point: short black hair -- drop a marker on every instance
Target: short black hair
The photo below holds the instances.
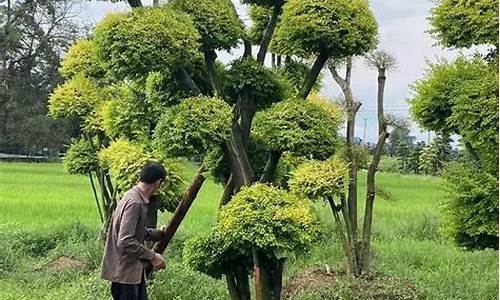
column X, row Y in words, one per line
column 151, row 172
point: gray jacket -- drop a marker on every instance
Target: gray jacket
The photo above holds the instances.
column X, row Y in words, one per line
column 125, row 253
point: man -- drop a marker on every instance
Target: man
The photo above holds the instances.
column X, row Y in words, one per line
column 125, row 253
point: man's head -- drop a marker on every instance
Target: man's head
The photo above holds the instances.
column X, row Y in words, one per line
column 153, row 174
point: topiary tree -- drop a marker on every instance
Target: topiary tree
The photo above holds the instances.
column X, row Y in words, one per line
column 260, row 226
column 461, row 97
column 325, row 181
column 161, row 75
column 326, row 29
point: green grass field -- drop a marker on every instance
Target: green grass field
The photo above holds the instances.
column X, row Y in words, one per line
column 40, row 203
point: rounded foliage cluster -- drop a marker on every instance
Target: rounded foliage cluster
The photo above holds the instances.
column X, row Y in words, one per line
column 461, row 97
column 145, row 40
column 193, row 127
column 338, row 27
column 124, row 115
column 321, row 179
column 80, row 159
column 286, row 165
column 259, row 217
column 77, row 98
column 260, row 83
column 81, row 59
column 465, row 23
column 268, row 218
column 125, row 161
column 301, row 127
column 215, row 20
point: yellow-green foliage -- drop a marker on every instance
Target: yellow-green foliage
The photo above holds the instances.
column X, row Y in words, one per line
column 261, row 83
column 215, row 20
column 259, row 217
column 131, row 45
column 125, row 161
column 77, row 98
column 286, row 165
column 268, row 218
column 471, row 215
column 81, row 59
column 321, row 179
column 338, row 27
column 329, row 105
column 465, row 23
column 124, row 115
column 193, row 127
column 80, row 159
column 298, row 126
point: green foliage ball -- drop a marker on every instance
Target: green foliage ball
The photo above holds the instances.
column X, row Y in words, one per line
column 130, row 45
column 193, row 127
column 215, row 20
column 81, row 59
column 471, row 208
column 465, row 23
column 80, row 159
column 300, row 127
column 321, row 179
column 340, row 28
column 268, row 218
column 260, row 82
column 76, row 98
column 125, row 161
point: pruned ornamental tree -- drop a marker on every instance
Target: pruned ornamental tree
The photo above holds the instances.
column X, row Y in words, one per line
column 461, row 97
column 148, row 85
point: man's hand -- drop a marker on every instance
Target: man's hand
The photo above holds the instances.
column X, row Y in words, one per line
column 158, row 262
column 164, row 229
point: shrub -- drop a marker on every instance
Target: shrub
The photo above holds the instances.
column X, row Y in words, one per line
column 80, row 159
column 472, row 206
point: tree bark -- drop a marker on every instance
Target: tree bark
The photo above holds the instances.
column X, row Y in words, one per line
column 268, row 33
column 134, row 3
column 271, row 166
column 181, row 211
column 352, row 200
column 342, row 237
column 370, row 190
column 187, row 82
column 210, row 57
column 228, row 191
column 313, row 74
column 96, row 197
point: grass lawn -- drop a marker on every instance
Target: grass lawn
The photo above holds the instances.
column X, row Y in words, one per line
column 39, row 201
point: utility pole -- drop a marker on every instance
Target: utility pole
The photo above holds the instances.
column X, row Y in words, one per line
column 428, row 138
column 364, row 132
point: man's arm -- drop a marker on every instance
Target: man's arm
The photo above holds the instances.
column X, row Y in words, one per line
column 126, row 235
column 153, row 234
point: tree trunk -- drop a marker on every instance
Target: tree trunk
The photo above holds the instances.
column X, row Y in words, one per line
column 271, row 166
column 181, row 211
column 370, row 190
column 342, row 237
column 96, row 197
column 134, row 3
column 268, row 33
column 228, row 191
column 210, row 57
column 352, row 200
column 187, row 82
column 313, row 74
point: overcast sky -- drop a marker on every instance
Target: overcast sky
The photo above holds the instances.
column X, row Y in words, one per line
column 402, row 31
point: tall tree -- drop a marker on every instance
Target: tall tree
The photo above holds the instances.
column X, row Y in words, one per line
column 33, row 37
column 461, row 97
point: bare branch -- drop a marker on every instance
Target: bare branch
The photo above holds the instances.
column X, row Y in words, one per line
column 380, row 59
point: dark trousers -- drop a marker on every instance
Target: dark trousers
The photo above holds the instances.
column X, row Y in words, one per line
column 123, row 291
